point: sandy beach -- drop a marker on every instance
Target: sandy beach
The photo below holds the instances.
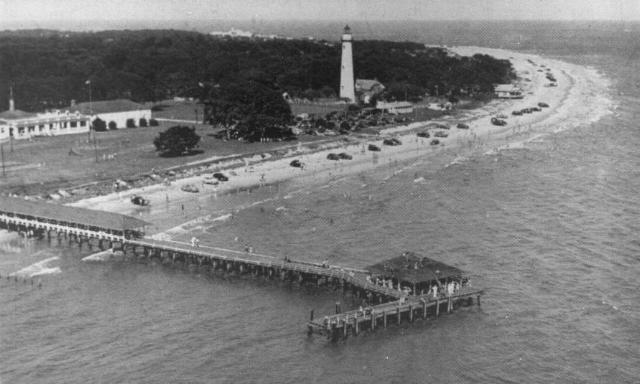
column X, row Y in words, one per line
column 579, row 98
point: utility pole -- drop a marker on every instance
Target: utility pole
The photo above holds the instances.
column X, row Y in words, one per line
column 95, row 145
column 4, row 173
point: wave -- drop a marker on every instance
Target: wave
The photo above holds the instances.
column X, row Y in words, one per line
column 38, row 269
column 100, row 256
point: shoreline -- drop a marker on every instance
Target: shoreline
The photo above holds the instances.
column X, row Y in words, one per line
column 579, row 98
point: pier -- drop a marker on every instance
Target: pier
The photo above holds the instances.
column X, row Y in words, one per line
column 391, row 294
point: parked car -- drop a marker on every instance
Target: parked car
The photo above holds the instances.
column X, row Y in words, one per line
column 440, row 134
column 423, row 134
column 374, row 148
column 535, row 109
column 333, row 156
column 296, row 163
column 345, row 156
column 220, row 176
column 139, row 200
column 190, row 188
column 543, row 105
column 392, row 141
column 496, row 121
column 516, row 113
column 462, row 126
column 501, row 116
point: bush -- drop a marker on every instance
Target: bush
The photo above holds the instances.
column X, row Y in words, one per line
column 113, row 125
column 99, row 125
column 153, row 122
column 142, row 122
column 131, row 123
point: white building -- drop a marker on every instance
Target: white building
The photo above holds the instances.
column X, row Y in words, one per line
column 117, row 111
column 16, row 124
column 367, row 88
column 395, row 107
column 347, row 86
column 508, row 91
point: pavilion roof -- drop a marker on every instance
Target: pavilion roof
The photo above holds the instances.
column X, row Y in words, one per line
column 83, row 216
column 413, row 268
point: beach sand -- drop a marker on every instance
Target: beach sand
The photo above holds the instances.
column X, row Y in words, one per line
column 579, row 98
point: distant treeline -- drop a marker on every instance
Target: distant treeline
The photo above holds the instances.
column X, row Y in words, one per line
column 49, row 68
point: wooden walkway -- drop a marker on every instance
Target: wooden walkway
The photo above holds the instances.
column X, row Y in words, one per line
column 208, row 255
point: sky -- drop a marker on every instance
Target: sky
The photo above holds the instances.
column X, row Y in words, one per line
column 32, row 12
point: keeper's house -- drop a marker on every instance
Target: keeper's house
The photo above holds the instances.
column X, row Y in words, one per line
column 117, row 111
column 508, row 91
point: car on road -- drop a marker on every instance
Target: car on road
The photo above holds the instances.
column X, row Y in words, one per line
column 139, row 200
column 374, row 148
column 333, row 156
column 220, row 176
column 543, row 105
column 496, row 121
column 516, row 113
column 392, row 141
column 435, row 142
column 296, row 163
column 462, row 126
column 440, row 134
column 190, row 188
column 345, row 156
column 423, row 134
column 535, row 109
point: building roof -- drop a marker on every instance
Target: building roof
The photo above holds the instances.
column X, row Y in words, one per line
column 367, row 84
column 393, row 104
column 505, row 88
column 107, row 106
column 412, row 268
column 88, row 217
column 16, row 115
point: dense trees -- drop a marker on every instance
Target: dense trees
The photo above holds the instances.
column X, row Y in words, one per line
column 49, row 69
column 248, row 108
column 177, row 140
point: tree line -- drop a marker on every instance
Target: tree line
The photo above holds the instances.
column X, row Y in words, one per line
column 48, row 69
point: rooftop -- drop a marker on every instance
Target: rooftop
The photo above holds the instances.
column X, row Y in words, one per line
column 412, row 268
column 367, row 84
column 88, row 217
column 16, row 115
column 107, row 106
column 505, row 88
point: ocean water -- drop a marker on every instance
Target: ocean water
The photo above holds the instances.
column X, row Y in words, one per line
column 549, row 229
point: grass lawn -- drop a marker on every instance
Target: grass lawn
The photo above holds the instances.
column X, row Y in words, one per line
column 46, row 164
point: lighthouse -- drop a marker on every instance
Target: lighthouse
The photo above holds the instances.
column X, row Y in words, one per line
column 347, row 90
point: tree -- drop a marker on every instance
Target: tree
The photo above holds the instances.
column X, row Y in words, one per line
column 113, row 125
column 176, row 140
column 99, row 125
column 131, row 123
column 253, row 109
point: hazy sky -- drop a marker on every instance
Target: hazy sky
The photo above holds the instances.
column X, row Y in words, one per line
column 345, row 10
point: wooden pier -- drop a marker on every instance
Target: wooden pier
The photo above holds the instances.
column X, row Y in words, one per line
column 123, row 234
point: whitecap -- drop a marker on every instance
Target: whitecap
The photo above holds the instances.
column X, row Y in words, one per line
column 38, row 269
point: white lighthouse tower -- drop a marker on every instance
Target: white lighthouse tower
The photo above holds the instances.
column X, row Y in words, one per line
column 347, row 90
